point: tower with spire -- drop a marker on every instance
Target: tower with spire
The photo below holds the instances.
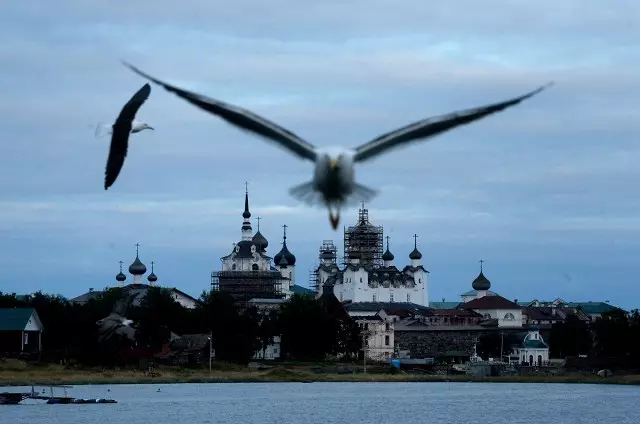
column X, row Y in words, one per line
column 248, row 272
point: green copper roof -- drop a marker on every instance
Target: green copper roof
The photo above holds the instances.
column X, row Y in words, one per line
column 14, row 319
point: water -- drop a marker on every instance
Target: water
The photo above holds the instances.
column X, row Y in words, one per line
column 344, row 403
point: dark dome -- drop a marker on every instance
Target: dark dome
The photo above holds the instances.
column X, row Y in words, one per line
column 415, row 254
column 121, row 277
column 387, row 256
column 152, row 278
column 284, row 253
column 283, row 261
column 481, row 282
column 327, row 254
column 260, row 241
column 137, row 267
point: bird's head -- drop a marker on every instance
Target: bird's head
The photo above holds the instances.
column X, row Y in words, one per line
column 334, row 162
column 147, row 126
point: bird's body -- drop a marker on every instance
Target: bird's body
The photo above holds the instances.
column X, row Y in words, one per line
column 116, row 323
column 120, row 131
column 333, row 184
column 106, row 129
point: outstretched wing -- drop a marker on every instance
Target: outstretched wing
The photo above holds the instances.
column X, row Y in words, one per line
column 433, row 126
column 121, row 305
column 241, row 118
column 120, row 135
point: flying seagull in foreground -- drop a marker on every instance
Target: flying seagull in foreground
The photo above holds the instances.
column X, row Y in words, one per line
column 120, row 130
column 333, row 183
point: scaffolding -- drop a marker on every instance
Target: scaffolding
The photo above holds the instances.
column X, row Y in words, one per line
column 365, row 240
column 327, row 246
column 246, row 285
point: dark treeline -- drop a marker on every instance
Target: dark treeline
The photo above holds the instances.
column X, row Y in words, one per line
column 308, row 330
column 611, row 341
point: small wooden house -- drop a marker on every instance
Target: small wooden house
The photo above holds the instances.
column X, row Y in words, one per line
column 20, row 331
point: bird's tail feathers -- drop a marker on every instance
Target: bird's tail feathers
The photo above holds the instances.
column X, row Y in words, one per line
column 102, row 130
column 307, row 194
column 360, row 193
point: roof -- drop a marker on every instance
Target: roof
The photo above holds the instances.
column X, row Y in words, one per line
column 490, row 302
column 455, row 313
column 594, row 307
column 301, row 290
column 444, row 305
column 16, row 319
column 401, row 309
column 530, row 342
column 138, row 290
column 475, row 293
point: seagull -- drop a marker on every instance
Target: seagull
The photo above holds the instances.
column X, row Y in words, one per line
column 120, row 130
column 333, row 184
column 102, row 130
column 116, row 323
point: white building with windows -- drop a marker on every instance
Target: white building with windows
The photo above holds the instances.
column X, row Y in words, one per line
column 377, row 330
column 506, row 313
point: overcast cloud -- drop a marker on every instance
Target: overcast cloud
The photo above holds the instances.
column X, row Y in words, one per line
column 545, row 192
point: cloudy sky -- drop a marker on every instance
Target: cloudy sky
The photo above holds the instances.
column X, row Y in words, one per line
column 545, row 192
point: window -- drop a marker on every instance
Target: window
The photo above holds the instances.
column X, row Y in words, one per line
column 408, row 297
column 366, row 327
column 419, row 280
column 374, row 297
column 509, row 316
column 275, row 350
column 361, row 279
column 391, row 297
column 386, row 340
column 254, row 267
column 26, row 338
column 387, row 327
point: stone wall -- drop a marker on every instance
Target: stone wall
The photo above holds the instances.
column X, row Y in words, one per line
column 431, row 344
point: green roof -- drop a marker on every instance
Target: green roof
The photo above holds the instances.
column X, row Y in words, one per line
column 593, row 307
column 14, row 319
column 534, row 344
column 301, row 290
column 444, row 305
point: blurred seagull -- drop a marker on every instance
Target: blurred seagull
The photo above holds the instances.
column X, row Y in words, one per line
column 120, row 130
column 333, row 184
column 116, row 323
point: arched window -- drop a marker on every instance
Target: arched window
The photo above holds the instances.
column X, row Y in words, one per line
column 509, row 316
column 233, row 267
column 254, row 267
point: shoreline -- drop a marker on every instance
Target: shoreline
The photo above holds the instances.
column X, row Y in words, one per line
column 45, row 377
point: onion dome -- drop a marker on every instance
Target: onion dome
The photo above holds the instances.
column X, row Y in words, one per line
column 284, row 252
column 121, row 277
column 283, row 262
column 137, row 267
column 260, row 241
column 387, row 256
column 481, row 282
column 152, row 278
column 415, row 253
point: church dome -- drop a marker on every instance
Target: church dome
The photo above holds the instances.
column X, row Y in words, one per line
column 137, row 267
column 284, row 253
column 283, row 261
column 387, row 256
column 152, row 278
column 260, row 241
column 121, row 277
column 481, row 282
column 415, row 254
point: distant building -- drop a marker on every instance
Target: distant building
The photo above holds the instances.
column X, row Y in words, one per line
column 368, row 274
column 137, row 269
column 248, row 272
column 20, row 332
column 533, row 350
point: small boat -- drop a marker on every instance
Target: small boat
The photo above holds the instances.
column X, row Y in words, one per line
column 9, row 398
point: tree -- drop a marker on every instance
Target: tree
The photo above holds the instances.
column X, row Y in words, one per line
column 268, row 329
column 570, row 338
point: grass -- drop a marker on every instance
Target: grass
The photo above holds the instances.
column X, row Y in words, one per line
column 16, row 373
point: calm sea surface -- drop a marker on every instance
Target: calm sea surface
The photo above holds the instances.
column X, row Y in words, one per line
column 344, row 403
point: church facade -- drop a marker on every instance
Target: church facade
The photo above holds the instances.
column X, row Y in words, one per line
column 369, row 275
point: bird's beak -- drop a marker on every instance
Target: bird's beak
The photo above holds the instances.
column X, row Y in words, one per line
column 332, row 163
column 151, row 128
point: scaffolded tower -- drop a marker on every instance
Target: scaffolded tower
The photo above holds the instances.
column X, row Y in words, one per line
column 364, row 240
column 326, row 251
